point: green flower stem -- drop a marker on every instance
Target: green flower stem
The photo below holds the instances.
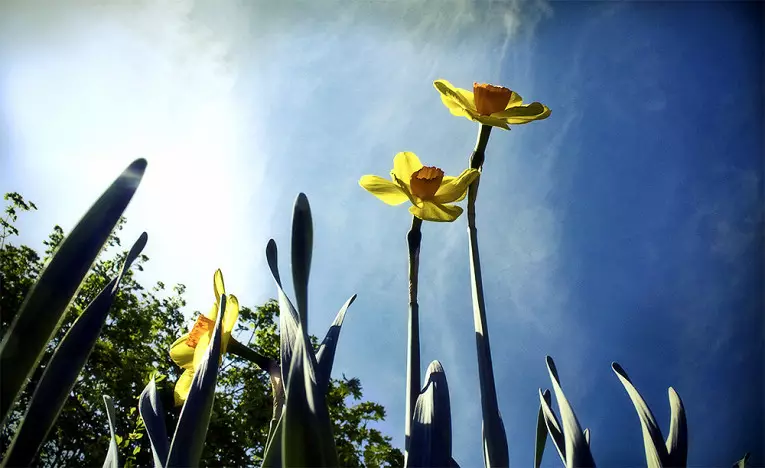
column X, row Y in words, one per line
column 477, row 158
column 413, row 238
column 267, row 364
column 495, row 440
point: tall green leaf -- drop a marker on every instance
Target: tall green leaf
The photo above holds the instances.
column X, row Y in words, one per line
column 577, row 449
column 191, row 430
column 325, row 356
column 677, row 440
column 62, row 370
column 112, row 456
column 653, row 442
column 36, row 322
column 302, row 248
column 552, row 424
column 743, row 462
column 289, row 321
column 431, row 439
column 307, row 433
column 153, row 416
column 273, row 454
column 541, row 440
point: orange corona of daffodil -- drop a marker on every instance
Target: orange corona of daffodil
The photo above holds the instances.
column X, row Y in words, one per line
column 189, row 350
column 490, row 105
column 426, row 187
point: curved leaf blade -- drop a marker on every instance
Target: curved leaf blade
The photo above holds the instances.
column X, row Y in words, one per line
column 577, row 450
column 552, row 424
column 743, row 462
column 112, row 456
column 431, row 440
column 273, row 454
column 41, row 313
column 302, row 249
column 677, row 440
column 153, row 416
column 655, row 450
column 289, row 321
column 307, row 433
column 541, row 440
column 62, row 370
column 191, row 430
column 325, row 356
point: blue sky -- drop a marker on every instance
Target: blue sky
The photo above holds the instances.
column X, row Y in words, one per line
column 627, row 227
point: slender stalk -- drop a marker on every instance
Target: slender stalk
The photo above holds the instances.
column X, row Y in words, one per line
column 267, row 364
column 413, row 238
column 495, row 440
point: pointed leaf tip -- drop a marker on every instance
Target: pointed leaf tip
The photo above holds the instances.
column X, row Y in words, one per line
column 39, row 316
column 325, row 355
column 433, row 368
column 151, row 412
column 272, row 258
column 541, row 439
column 302, row 251
column 301, row 202
column 577, row 450
column 677, row 440
column 431, row 436
column 655, row 450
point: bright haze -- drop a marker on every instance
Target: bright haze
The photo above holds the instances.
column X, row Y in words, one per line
column 627, row 227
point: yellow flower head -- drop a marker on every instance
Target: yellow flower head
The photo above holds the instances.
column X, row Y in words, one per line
column 490, row 105
column 189, row 350
column 426, row 187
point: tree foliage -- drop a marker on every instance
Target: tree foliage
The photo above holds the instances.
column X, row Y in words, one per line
column 134, row 345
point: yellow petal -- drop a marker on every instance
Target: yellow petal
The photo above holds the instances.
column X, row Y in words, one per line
column 404, row 165
column 181, row 353
column 406, row 190
column 229, row 321
column 515, row 100
column 213, row 313
column 218, row 285
column 387, row 191
column 459, row 101
column 430, row 211
column 493, row 121
column 201, row 348
column 454, row 189
column 182, row 387
column 523, row 114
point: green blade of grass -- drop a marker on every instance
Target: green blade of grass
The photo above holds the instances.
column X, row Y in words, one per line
column 40, row 315
column 289, row 320
column 325, row 356
column 431, row 440
column 307, row 433
column 112, row 456
column 541, row 440
column 743, row 462
column 302, row 248
column 153, row 416
column 677, row 440
column 653, row 442
column 273, row 454
column 62, row 370
column 552, row 424
column 577, row 450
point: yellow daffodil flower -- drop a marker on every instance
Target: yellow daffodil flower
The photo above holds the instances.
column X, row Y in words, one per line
column 490, row 105
column 189, row 350
column 426, row 187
